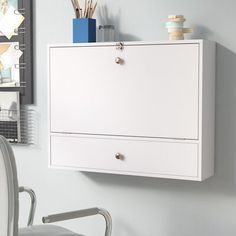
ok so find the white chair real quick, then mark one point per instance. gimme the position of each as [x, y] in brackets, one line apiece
[9, 204]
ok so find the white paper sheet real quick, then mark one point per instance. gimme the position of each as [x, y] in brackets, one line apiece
[10, 21]
[10, 57]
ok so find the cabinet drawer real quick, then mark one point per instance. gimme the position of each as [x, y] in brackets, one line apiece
[138, 156]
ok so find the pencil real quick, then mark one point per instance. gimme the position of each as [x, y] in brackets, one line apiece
[77, 13]
[89, 4]
[85, 7]
[77, 4]
[73, 3]
[81, 12]
[94, 8]
[90, 8]
[87, 10]
[74, 7]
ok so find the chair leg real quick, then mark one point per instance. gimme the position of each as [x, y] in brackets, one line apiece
[33, 203]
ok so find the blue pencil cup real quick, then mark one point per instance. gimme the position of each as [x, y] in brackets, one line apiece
[84, 30]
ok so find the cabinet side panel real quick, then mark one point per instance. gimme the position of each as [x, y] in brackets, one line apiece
[208, 109]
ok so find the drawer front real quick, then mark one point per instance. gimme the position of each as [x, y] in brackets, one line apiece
[154, 93]
[141, 157]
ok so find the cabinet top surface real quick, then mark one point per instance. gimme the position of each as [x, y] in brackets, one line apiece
[129, 43]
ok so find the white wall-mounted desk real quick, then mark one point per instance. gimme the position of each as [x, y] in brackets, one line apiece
[152, 114]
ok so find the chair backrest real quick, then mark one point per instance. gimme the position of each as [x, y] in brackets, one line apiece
[9, 202]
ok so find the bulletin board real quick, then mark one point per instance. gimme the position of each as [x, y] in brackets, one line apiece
[16, 70]
[20, 77]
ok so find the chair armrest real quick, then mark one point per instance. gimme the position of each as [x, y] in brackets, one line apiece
[33, 203]
[80, 214]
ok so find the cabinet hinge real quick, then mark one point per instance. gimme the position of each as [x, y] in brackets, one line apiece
[120, 46]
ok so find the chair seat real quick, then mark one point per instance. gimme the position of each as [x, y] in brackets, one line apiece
[46, 230]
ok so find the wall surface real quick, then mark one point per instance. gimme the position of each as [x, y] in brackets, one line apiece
[139, 206]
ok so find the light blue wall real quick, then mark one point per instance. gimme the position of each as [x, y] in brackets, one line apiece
[140, 206]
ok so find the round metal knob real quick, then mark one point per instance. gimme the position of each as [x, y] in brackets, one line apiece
[118, 60]
[118, 156]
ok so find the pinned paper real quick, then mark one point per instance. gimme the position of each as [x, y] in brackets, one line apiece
[3, 7]
[10, 57]
[10, 116]
[10, 21]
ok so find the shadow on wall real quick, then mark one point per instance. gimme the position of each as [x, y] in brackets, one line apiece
[200, 32]
[224, 181]
[104, 18]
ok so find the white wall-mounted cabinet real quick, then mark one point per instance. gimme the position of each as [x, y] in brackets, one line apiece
[146, 109]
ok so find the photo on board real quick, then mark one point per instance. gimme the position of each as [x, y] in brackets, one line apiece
[9, 61]
[4, 6]
[10, 116]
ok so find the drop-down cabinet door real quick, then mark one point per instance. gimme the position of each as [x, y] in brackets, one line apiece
[141, 91]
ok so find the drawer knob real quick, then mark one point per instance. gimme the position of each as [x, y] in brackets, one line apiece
[119, 156]
[119, 61]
